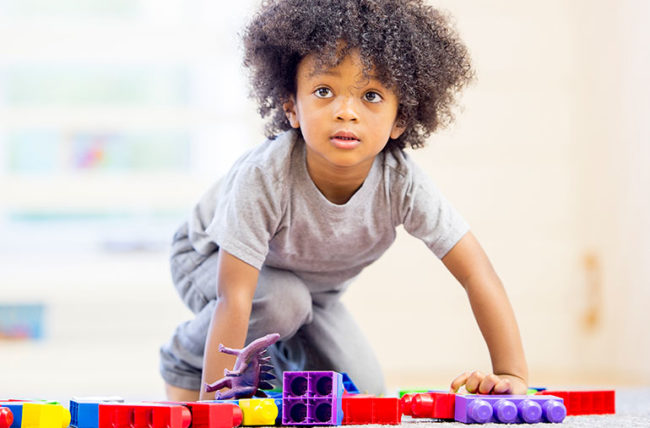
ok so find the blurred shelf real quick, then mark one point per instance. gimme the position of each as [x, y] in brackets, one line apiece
[93, 192]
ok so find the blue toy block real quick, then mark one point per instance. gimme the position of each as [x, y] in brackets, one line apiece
[84, 412]
[278, 402]
[16, 408]
[312, 398]
[349, 386]
[273, 394]
[508, 409]
[235, 402]
[84, 415]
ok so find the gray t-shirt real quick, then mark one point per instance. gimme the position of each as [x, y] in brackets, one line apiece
[268, 211]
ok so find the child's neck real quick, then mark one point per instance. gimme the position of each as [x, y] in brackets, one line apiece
[337, 184]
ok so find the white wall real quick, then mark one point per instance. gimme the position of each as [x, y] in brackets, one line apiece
[549, 163]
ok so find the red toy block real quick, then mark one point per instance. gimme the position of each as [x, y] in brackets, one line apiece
[386, 411]
[357, 410]
[144, 416]
[438, 405]
[6, 417]
[371, 410]
[405, 404]
[171, 417]
[215, 415]
[586, 402]
[115, 416]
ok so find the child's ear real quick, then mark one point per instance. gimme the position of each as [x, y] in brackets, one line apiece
[290, 110]
[398, 128]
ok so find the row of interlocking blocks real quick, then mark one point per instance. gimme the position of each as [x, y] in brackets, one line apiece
[316, 398]
[364, 410]
[509, 409]
[553, 406]
[155, 415]
[206, 414]
[312, 398]
[438, 405]
[27, 414]
[113, 413]
[144, 415]
[309, 398]
[586, 402]
[484, 408]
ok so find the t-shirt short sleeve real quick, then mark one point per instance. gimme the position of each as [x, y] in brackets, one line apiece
[248, 214]
[427, 214]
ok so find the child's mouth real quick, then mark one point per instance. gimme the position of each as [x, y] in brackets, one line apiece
[345, 140]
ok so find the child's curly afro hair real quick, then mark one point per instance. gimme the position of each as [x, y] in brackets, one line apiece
[409, 46]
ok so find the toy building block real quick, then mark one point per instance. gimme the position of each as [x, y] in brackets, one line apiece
[509, 409]
[214, 415]
[405, 404]
[357, 410]
[16, 408]
[386, 411]
[312, 398]
[171, 417]
[371, 410]
[348, 385]
[437, 405]
[144, 416]
[278, 404]
[274, 393]
[42, 415]
[258, 411]
[6, 417]
[403, 392]
[115, 416]
[84, 412]
[586, 402]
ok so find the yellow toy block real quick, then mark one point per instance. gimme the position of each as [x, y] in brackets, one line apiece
[39, 415]
[258, 411]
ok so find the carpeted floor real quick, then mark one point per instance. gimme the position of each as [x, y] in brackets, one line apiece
[632, 410]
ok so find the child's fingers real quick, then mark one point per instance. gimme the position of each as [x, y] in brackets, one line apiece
[503, 387]
[488, 383]
[474, 381]
[459, 381]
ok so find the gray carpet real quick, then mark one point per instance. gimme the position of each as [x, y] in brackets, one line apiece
[632, 410]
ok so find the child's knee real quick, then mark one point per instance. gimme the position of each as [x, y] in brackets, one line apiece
[282, 304]
[177, 394]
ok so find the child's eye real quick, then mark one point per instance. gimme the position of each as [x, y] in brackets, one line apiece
[323, 93]
[372, 97]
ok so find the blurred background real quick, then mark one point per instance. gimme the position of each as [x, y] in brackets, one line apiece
[116, 115]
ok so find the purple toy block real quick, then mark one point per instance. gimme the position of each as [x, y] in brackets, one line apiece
[509, 409]
[312, 398]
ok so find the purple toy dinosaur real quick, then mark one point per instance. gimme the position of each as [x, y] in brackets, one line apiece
[251, 371]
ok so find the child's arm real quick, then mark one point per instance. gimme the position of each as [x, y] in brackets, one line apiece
[236, 283]
[469, 264]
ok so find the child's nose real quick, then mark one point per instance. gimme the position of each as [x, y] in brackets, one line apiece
[346, 110]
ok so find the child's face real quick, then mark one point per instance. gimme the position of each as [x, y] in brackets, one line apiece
[346, 119]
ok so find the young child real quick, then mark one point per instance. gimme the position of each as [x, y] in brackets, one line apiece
[348, 84]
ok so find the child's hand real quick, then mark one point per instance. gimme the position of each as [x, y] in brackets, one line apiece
[479, 383]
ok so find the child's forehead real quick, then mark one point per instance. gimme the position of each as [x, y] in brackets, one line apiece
[317, 65]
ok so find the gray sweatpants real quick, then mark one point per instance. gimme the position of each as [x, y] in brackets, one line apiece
[316, 330]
